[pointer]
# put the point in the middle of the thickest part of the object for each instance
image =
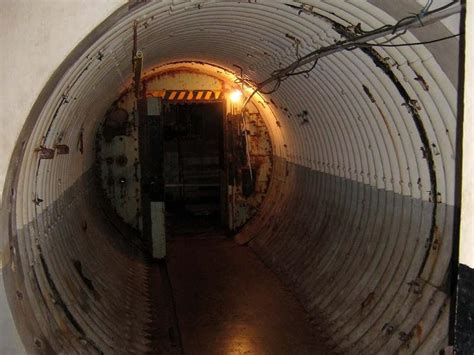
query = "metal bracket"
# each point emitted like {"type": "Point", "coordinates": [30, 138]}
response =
{"type": "Point", "coordinates": [45, 153]}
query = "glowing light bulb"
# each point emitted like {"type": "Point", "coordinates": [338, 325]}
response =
{"type": "Point", "coordinates": [235, 96]}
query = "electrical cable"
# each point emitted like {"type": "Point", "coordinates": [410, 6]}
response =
{"type": "Point", "coordinates": [408, 44]}
{"type": "Point", "coordinates": [275, 88]}
{"type": "Point", "coordinates": [351, 43]}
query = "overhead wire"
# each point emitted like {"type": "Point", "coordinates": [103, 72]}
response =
{"type": "Point", "coordinates": [410, 44]}
{"type": "Point", "coordinates": [281, 75]}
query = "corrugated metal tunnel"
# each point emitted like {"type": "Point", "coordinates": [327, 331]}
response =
{"type": "Point", "coordinates": [358, 217]}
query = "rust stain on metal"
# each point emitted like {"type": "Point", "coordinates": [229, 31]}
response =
{"type": "Point", "coordinates": [61, 149]}
{"type": "Point", "coordinates": [180, 70]}
{"type": "Point", "coordinates": [415, 287]}
{"type": "Point", "coordinates": [247, 199]}
{"type": "Point", "coordinates": [177, 71]}
{"type": "Point", "coordinates": [419, 330]}
{"type": "Point", "coordinates": [151, 76]}
{"type": "Point", "coordinates": [45, 153]}
{"type": "Point", "coordinates": [413, 106]}
{"type": "Point", "coordinates": [422, 82]}
{"type": "Point", "coordinates": [433, 247]}
{"type": "Point", "coordinates": [388, 329]}
{"type": "Point", "coordinates": [303, 116]}
{"type": "Point", "coordinates": [405, 337]}
{"type": "Point", "coordinates": [392, 137]}
{"type": "Point", "coordinates": [80, 141]}
{"type": "Point", "coordinates": [368, 93]}
{"type": "Point", "coordinates": [368, 300]}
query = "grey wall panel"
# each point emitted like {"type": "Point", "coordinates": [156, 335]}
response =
{"type": "Point", "coordinates": [355, 257]}
{"type": "Point", "coordinates": [88, 285]}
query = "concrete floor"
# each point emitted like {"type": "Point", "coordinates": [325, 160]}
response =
{"type": "Point", "coordinates": [229, 302]}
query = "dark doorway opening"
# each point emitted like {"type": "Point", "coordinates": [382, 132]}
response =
{"type": "Point", "coordinates": [195, 196]}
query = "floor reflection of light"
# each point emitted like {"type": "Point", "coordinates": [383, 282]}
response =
{"type": "Point", "coordinates": [243, 340]}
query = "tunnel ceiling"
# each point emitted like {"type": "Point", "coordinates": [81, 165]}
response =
{"type": "Point", "coordinates": [374, 121]}
{"type": "Point", "coordinates": [359, 107]}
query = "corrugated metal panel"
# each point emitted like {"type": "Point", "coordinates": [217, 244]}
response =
{"type": "Point", "coordinates": [348, 215]}
{"type": "Point", "coordinates": [353, 253]}
{"type": "Point", "coordinates": [87, 286]}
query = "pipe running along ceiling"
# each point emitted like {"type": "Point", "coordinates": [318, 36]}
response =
{"type": "Point", "coordinates": [358, 218]}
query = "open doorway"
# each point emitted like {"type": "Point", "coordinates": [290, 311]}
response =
{"type": "Point", "coordinates": [184, 161]}
{"type": "Point", "coordinates": [193, 168]}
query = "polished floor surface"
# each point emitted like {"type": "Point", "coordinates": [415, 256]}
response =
{"type": "Point", "coordinates": [228, 302]}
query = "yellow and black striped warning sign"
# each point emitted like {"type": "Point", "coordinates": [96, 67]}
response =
{"type": "Point", "coordinates": [188, 96]}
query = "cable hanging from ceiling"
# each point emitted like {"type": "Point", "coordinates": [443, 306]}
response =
{"type": "Point", "coordinates": [359, 38]}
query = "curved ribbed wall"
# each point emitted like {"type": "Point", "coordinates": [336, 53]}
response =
{"type": "Point", "coordinates": [358, 218]}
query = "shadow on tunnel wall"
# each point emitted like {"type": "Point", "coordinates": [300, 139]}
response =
{"type": "Point", "coordinates": [354, 255]}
